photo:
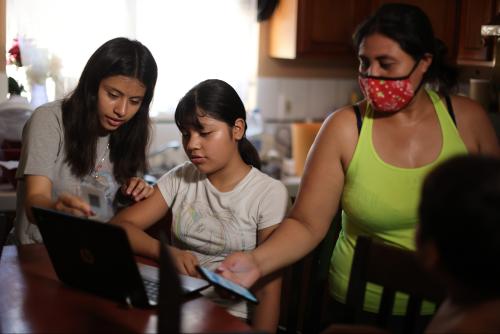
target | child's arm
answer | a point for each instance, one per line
(138, 217)
(268, 291)
(141, 215)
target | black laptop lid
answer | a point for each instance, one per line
(91, 255)
(170, 296)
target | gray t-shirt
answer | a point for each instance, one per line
(43, 153)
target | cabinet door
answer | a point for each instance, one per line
(443, 15)
(471, 46)
(325, 27)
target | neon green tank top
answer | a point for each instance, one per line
(381, 201)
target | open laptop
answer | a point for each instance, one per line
(97, 257)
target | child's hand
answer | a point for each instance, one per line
(185, 261)
(137, 188)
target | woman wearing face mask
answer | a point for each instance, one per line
(372, 157)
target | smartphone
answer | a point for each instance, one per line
(227, 285)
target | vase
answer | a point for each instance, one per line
(38, 95)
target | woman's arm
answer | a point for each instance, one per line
(268, 291)
(39, 193)
(316, 204)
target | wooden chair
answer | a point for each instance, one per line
(304, 289)
(395, 270)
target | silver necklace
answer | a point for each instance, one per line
(100, 162)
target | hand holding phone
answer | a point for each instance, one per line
(227, 285)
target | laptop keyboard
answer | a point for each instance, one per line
(152, 288)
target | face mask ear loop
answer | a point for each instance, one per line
(414, 67)
(421, 81)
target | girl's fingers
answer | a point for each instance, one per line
(144, 193)
(137, 188)
(131, 185)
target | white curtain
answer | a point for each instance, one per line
(191, 40)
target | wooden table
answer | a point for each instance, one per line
(32, 299)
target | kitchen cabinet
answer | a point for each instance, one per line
(472, 48)
(315, 28)
(323, 28)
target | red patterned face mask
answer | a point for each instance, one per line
(387, 94)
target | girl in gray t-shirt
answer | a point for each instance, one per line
(220, 201)
(77, 152)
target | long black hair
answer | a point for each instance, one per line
(460, 212)
(410, 27)
(218, 100)
(128, 144)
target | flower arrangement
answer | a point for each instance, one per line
(34, 66)
(15, 54)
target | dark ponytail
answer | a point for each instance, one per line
(249, 153)
(410, 27)
(220, 101)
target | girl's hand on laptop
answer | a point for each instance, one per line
(137, 188)
(185, 261)
(73, 205)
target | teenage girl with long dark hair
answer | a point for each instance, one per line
(94, 140)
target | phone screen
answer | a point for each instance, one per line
(218, 280)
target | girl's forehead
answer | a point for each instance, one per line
(207, 120)
(202, 121)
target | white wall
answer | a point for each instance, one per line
(280, 98)
(164, 133)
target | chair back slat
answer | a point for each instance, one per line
(386, 306)
(412, 313)
(406, 274)
(396, 270)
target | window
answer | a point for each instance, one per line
(191, 40)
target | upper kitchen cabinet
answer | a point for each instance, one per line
(315, 28)
(472, 48)
(443, 15)
(323, 28)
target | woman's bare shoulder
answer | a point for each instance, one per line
(339, 133)
(342, 119)
(475, 127)
(467, 108)
(470, 113)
